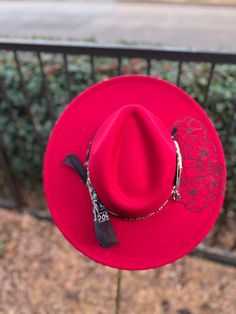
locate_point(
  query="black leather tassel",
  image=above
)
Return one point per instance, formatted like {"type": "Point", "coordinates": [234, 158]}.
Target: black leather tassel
{"type": "Point", "coordinates": [103, 227]}
{"type": "Point", "coordinates": [73, 161]}
{"type": "Point", "coordinates": [105, 234]}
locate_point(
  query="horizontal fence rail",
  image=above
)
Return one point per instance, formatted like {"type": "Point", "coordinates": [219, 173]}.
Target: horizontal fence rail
{"type": "Point", "coordinates": [45, 85]}
{"type": "Point", "coordinates": [149, 52]}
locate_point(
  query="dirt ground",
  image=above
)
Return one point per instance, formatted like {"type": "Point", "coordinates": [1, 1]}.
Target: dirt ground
{"type": "Point", "coordinates": [41, 273]}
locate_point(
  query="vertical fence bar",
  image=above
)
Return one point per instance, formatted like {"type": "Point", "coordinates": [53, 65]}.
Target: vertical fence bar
{"type": "Point", "coordinates": [10, 106]}
{"type": "Point", "coordinates": [148, 66]}
{"type": "Point", "coordinates": [30, 115]}
{"type": "Point", "coordinates": [13, 118]}
{"type": "Point", "coordinates": [119, 70]}
{"type": "Point", "coordinates": [231, 130]}
{"type": "Point", "coordinates": [9, 175]}
{"type": "Point", "coordinates": [92, 64]}
{"type": "Point", "coordinates": [13, 115]}
{"type": "Point", "coordinates": [22, 82]}
{"type": "Point", "coordinates": [118, 291]}
{"type": "Point", "coordinates": [179, 73]}
{"type": "Point", "coordinates": [44, 87]}
{"type": "Point", "coordinates": [67, 74]}
{"type": "Point", "coordinates": [208, 85]}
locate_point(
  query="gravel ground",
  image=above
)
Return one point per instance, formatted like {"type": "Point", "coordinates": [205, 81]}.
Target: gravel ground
{"type": "Point", "coordinates": [41, 273]}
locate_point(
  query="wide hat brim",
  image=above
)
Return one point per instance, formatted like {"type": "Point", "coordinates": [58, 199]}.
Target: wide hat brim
{"type": "Point", "coordinates": [181, 225]}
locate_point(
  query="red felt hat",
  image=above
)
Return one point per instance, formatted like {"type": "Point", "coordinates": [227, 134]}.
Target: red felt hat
{"type": "Point", "coordinates": [146, 175]}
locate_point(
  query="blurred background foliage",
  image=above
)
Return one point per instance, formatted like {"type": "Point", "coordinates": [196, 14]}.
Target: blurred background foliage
{"type": "Point", "coordinates": [30, 107]}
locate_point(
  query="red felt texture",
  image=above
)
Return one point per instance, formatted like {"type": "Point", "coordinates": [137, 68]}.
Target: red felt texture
{"type": "Point", "coordinates": [132, 154]}
{"type": "Point", "coordinates": [132, 166]}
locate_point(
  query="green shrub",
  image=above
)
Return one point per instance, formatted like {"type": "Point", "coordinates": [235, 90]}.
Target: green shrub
{"type": "Point", "coordinates": [28, 110]}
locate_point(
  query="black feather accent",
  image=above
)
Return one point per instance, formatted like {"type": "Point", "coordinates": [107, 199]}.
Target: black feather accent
{"type": "Point", "coordinates": [74, 162]}
{"type": "Point", "coordinates": [174, 131]}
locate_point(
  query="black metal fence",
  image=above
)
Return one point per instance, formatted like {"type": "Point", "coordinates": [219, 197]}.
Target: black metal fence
{"type": "Point", "coordinates": [38, 78]}
{"type": "Point", "coordinates": [16, 56]}
{"type": "Point", "coordinates": [35, 87]}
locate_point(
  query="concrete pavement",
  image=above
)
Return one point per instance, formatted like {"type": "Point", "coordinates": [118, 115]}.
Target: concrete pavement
{"type": "Point", "coordinates": [203, 27]}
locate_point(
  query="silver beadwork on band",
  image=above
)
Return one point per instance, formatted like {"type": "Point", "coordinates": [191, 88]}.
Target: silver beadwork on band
{"type": "Point", "coordinates": [175, 195]}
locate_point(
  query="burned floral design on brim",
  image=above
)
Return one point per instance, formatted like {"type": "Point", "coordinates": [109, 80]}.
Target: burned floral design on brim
{"type": "Point", "coordinates": [203, 179]}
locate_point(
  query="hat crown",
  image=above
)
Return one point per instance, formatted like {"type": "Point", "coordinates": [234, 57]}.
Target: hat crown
{"type": "Point", "coordinates": [132, 162]}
